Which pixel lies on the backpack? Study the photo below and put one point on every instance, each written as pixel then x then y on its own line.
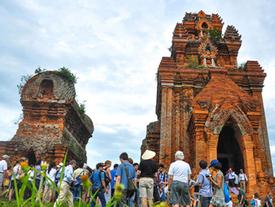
pixel 131 185
pixel 226 193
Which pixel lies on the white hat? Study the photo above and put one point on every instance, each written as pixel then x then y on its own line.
pixel 148 154
pixel 5 156
pixel 60 164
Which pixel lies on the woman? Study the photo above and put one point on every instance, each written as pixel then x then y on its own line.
pixel 49 191
pixel 217 179
pixel 107 170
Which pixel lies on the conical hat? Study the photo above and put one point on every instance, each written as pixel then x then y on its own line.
pixel 148 154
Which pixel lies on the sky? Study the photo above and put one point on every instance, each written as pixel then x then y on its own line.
pixel 114 48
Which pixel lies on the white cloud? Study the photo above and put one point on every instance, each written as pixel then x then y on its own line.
pixel 115 48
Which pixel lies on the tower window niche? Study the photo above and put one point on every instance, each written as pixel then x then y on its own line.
pixel 204 25
pixel 46 88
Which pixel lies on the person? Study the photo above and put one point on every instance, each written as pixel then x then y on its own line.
pixel 125 173
pixel 148 169
pixel 65 194
pixel 217 180
pixel 7 179
pixel 108 179
pixel 242 198
pixel 255 202
pixel 231 176
pixel 38 170
pixel 3 169
pixel 162 178
pixel 179 176
pixel 15 178
pixel 49 191
pixel 77 186
pixel 242 179
pixel 113 181
pixel 204 183
pixel 268 200
pixel 98 185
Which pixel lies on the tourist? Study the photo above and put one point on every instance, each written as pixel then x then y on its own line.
pixel 204 183
pixel 49 190
pixel 217 179
pixel 148 168
pixel 16 175
pixel 179 175
pixel 231 176
pixel 242 198
pixel 65 194
pixel 3 169
pixel 243 179
pixel 137 199
pixel 38 173
pixel 7 179
pixel 255 202
pixel 162 178
pixel 77 187
pixel 108 179
pixel 98 185
pixel 125 173
pixel 268 200
pixel 113 181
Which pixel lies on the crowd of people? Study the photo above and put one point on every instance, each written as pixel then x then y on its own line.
pixel 144 183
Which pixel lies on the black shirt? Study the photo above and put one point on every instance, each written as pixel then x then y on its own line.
pixel 148 168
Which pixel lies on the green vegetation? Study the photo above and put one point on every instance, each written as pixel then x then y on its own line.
pixel 192 62
pixel 241 66
pixel 82 108
pixel 67 75
pixel 24 79
pixel 215 35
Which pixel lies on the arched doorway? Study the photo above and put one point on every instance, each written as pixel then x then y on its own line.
pixel 228 151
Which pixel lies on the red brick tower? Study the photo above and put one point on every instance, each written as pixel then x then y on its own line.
pixel 207 106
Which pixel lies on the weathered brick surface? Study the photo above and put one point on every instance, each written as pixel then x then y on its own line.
pixel 196 100
pixel 52 123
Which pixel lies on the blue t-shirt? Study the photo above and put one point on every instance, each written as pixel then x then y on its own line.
pixel 96 178
pixel 113 174
pixel 206 187
pixel 121 171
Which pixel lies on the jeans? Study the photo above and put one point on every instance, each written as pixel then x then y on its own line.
pixel 100 195
pixel 77 192
pixel 205 201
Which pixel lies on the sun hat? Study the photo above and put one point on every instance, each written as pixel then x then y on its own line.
pixel 5 156
pixel 148 154
pixel 214 163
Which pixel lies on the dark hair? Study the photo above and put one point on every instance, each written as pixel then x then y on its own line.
pixel 72 162
pixel 51 165
pixel 98 165
pixel 38 162
pixel 161 165
pixel 115 165
pixel 123 156
pixel 135 164
pixel 203 164
pixel 256 195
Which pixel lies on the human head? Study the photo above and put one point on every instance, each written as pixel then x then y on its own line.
pixel 99 166
pixel 73 163
pixel 5 157
pixel 203 164
pixel 161 167
pixel 108 163
pixel 179 155
pixel 135 166
pixel 115 166
pixel 131 160
pixel 123 157
pixel 256 195
pixel 241 170
pixel 215 164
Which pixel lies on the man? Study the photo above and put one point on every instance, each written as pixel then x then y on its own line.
pixel 65 194
pixel 203 181
pixel 3 169
pixel 113 181
pixel 268 200
pixel 179 175
pixel 98 185
pixel 148 169
pixel 231 176
pixel 162 178
pixel 243 179
pixel 125 173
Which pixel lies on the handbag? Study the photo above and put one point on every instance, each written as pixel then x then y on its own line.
pixel 131 185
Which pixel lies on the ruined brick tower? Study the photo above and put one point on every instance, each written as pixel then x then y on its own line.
pixel 52 121
pixel 207 106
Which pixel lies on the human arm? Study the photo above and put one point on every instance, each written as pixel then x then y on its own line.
pixel 217 183
pixel 103 183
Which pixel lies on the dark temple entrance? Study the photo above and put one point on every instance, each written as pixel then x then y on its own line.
pixel 229 152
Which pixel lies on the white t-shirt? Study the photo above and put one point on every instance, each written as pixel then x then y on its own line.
pixel 180 171
pixel 16 171
pixel 242 177
pixel 3 166
pixel 51 174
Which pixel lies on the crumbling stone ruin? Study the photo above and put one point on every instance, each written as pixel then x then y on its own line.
pixel 52 123
pixel 207 106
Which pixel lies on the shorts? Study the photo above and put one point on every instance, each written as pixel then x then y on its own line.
pixel 179 193
pixel 146 188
